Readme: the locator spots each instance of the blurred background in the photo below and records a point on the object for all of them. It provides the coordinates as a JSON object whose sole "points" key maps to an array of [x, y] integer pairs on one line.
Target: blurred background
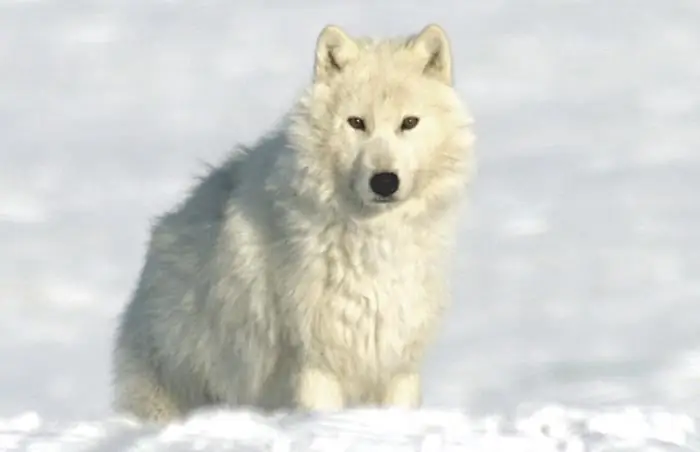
{"points": [[577, 274]]}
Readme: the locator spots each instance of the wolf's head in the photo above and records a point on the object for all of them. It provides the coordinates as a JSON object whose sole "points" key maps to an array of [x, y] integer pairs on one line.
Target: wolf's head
{"points": [[381, 125]]}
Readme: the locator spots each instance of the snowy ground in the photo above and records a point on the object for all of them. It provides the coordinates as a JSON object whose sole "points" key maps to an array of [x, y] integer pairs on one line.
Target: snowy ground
{"points": [[577, 297]]}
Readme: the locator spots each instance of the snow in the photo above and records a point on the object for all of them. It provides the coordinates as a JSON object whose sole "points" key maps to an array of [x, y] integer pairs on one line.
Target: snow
{"points": [[576, 323], [553, 429]]}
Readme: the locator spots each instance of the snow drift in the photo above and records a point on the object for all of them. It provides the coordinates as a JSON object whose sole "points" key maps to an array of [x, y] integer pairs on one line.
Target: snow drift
{"points": [[552, 428]]}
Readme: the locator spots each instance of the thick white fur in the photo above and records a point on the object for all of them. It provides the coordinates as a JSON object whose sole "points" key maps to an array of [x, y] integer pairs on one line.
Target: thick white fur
{"points": [[279, 283]]}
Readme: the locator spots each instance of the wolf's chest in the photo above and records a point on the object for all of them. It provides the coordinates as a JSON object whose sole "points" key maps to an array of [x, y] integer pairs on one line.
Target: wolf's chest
{"points": [[365, 295]]}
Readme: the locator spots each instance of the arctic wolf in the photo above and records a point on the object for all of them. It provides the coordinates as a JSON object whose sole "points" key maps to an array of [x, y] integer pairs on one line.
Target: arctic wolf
{"points": [[308, 272]]}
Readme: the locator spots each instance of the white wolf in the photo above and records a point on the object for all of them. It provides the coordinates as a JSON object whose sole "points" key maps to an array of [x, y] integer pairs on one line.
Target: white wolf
{"points": [[309, 272]]}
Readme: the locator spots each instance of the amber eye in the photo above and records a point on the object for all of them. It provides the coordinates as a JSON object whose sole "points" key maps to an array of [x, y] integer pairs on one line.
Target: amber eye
{"points": [[356, 123], [409, 122]]}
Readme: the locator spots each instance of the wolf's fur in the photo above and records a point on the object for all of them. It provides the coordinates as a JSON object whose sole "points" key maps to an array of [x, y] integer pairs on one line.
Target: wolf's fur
{"points": [[281, 282]]}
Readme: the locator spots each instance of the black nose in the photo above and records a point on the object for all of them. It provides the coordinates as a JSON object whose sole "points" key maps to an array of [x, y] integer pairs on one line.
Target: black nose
{"points": [[384, 184]]}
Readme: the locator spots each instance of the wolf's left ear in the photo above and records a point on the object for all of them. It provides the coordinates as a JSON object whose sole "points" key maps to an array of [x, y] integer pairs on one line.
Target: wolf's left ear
{"points": [[433, 48], [334, 50]]}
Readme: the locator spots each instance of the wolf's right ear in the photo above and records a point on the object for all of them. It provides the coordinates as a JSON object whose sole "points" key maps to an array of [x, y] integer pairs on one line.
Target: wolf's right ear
{"points": [[334, 49]]}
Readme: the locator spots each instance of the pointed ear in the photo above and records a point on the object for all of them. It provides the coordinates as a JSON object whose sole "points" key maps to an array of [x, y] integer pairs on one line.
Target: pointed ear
{"points": [[432, 47], [334, 50]]}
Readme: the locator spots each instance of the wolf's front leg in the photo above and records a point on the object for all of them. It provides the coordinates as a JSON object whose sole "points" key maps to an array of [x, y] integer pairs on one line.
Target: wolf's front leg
{"points": [[318, 390], [404, 391]]}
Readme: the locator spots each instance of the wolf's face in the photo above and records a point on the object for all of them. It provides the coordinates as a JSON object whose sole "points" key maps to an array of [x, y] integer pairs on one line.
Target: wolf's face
{"points": [[383, 119], [389, 131]]}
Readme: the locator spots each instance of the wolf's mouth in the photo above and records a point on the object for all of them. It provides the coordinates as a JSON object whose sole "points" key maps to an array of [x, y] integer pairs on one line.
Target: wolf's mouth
{"points": [[382, 200]]}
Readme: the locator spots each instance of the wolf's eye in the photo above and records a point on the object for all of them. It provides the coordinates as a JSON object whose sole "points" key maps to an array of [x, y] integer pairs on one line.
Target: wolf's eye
{"points": [[356, 123], [409, 122]]}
